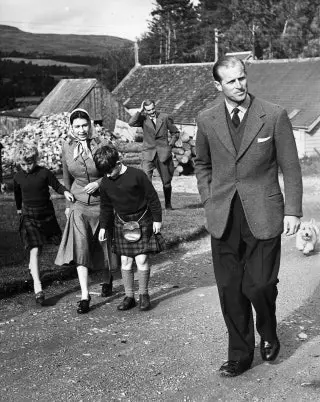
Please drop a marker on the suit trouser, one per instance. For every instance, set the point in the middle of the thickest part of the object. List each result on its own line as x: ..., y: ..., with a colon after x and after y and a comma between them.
x: 246, y: 271
x: 165, y: 170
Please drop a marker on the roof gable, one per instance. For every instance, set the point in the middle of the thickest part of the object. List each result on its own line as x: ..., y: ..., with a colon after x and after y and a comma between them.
x: 65, y: 96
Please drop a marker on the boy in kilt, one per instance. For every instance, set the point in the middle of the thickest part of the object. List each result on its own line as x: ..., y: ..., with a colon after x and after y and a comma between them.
x: 128, y: 195
x: 38, y: 223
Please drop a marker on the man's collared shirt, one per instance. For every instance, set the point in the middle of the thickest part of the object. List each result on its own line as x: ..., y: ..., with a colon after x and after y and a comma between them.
x: 242, y: 108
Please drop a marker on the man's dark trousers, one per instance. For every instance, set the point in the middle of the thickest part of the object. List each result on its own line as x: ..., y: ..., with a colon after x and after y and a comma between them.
x: 246, y: 271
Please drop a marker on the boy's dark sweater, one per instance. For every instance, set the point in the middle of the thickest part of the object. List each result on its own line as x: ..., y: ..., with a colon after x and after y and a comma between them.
x: 33, y: 188
x: 129, y: 193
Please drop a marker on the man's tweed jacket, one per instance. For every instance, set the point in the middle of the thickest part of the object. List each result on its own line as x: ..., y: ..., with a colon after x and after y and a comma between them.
x: 267, y: 145
x: 155, y: 139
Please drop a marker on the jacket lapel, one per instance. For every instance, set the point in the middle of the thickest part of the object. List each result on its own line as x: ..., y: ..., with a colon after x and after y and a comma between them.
x: 149, y: 123
x: 94, y: 144
x: 253, y: 126
x: 221, y: 128
x: 159, y: 122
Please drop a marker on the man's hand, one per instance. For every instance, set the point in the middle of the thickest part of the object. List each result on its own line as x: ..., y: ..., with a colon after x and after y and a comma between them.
x: 290, y: 225
x: 19, y: 212
x: 91, y: 187
x: 156, y: 227
x: 69, y: 196
x: 101, y: 235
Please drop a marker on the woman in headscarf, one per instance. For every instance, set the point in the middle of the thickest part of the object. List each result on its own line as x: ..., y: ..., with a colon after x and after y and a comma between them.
x: 80, y: 244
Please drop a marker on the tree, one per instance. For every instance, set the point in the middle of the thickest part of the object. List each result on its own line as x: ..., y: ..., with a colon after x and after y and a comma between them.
x: 171, y: 36
x: 213, y: 15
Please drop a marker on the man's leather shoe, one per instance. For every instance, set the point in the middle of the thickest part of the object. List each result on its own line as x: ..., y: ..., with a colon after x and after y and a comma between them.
x: 144, y: 302
x: 269, y: 350
x: 127, y: 303
x: 232, y: 368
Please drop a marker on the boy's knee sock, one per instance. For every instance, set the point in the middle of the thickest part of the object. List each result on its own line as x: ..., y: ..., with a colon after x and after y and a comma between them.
x: 143, y: 276
x: 128, y: 281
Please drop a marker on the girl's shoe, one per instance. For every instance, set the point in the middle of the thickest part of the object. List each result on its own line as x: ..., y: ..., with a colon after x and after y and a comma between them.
x: 106, y: 290
x: 84, y: 306
x: 40, y: 298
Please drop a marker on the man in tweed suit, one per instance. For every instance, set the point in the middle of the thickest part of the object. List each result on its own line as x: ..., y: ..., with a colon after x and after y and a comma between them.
x: 241, y: 143
x: 157, y: 145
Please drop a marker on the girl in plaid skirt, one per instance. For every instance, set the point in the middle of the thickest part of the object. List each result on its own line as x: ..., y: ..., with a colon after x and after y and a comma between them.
x: 38, y: 223
x: 128, y: 195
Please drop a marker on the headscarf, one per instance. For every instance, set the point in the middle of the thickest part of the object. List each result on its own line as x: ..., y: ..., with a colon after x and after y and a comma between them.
x: 81, y: 145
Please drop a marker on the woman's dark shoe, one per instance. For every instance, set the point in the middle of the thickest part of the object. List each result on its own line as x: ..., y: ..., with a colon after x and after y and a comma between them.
x: 144, y: 302
x: 84, y: 306
x: 106, y: 290
x: 127, y: 303
x: 40, y: 298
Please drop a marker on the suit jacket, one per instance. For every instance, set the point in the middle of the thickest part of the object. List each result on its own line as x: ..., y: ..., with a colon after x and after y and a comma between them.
x: 79, y: 172
x: 155, y: 139
x: 267, y: 145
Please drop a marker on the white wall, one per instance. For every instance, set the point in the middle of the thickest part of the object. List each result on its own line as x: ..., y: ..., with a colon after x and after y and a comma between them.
x: 312, y: 142
x: 300, y: 137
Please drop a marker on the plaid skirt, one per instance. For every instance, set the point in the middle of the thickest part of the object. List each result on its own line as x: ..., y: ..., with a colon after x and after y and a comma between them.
x: 38, y: 226
x: 148, y: 243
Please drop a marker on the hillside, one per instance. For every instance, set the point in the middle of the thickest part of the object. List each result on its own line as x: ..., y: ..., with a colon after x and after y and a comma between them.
x: 13, y: 39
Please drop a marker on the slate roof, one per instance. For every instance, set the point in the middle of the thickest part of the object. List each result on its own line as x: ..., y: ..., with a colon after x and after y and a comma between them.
x: 179, y: 89
x: 65, y: 96
x: 184, y: 89
x: 294, y: 84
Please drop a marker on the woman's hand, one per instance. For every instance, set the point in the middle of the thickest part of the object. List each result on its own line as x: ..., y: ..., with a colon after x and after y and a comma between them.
x: 67, y: 212
x: 156, y: 227
x: 69, y: 196
x: 91, y: 187
x: 101, y: 235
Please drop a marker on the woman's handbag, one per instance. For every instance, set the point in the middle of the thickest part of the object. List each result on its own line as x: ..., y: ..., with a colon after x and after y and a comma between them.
x: 131, y: 229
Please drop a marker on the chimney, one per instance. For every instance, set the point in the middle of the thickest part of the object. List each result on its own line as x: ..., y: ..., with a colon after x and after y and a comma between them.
x: 136, y: 54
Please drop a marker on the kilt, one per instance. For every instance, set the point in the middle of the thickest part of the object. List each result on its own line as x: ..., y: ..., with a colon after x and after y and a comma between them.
x: 148, y: 243
x: 38, y: 226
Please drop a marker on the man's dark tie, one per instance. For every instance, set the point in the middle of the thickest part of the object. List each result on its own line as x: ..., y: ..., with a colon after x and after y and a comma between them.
x: 235, y: 117
x: 154, y: 123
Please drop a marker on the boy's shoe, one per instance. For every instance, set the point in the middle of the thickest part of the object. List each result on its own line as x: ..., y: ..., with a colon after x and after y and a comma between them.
x: 106, y: 290
x: 127, y: 304
x: 84, y: 306
x: 40, y: 298
x: 144, y: 302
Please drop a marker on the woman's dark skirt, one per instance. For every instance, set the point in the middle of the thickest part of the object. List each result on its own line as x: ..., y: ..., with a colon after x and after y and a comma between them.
x: 38, y: 226
x: 148, y: 243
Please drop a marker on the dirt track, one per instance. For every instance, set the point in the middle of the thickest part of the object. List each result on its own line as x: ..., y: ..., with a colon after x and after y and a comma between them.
x: 170, y: 353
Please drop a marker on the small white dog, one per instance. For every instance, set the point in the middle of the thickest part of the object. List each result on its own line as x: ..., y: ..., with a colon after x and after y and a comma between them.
x: 307, y: 236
